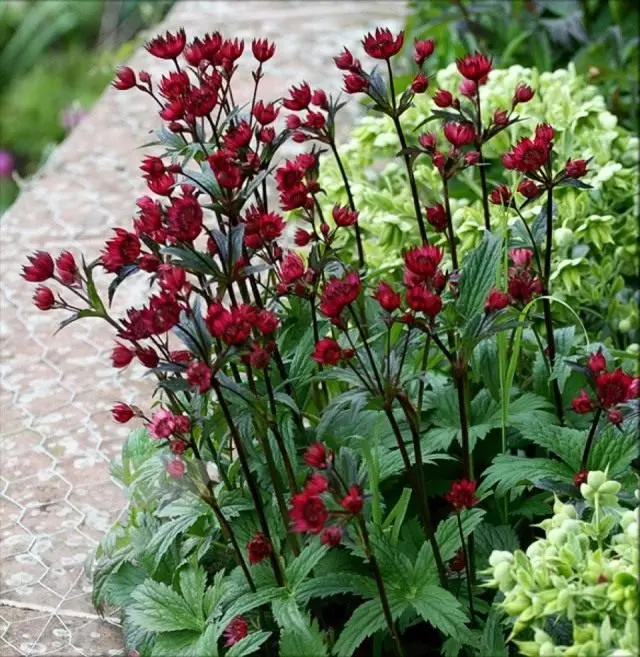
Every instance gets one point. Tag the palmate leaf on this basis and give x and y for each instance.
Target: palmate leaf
(493, 641)
(448, 534)
(440, 609)
(325, 586)
(158, 608)
(615, 450)
(309, 644)
(489, 537)
(366, 620)
(179, 644)
(566, 443)
(304, 563)
(249, 645)
(508, 471)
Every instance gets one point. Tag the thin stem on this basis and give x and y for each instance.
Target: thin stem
(467, 467)
(483, 173)
(548, 320)
(534, 246)
(407, 160)
(590, 437)
(467, 566)
(447, 208)
(423, 371)
(352, 205)
(397, 645)
(367, 349)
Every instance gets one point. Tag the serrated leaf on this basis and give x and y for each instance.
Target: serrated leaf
(448, 534)
(489, 537)
(248, 645)
(507, 471)
(366, 620)
(250, 601)
(166, 535)
(294, 644)
(493, 640)
(478, 275)
(304, 563)
(159, 608)
(440, 609)
(121, 583)
(177, 644)
(331, 584)
(191, 259)
(192, 584)
(615, 450)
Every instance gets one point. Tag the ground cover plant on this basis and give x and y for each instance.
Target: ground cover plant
(336, 463)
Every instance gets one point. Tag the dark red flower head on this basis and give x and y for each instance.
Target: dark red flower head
(352, 501)
(331, 536)
(265, 114)
(125, 79)
(121, 355)
(237, 630)
(474, 67)
(262, 49)
(199, 376)
(343, 216)
(613, 387)
(582, 403)
(500, 195)
(421, 299)
(459, 134)
(457, 563)
(308, 513)
(40, 267)
(387, 297)
(615, 416)
(422, 49)
(443, 98)
(383, 44)
(521, 258)
(523, 93)
(576, 168)
(302, 237)
(258, 548)
(123, 249)
(420, 83)
(230, 50)
(597, 362)
(345, 60)
(299, 98)
(528, 188)
(468, 88)
(580, 478)
(122, 413)
(315, 456)
(338, 293)
(462, 494)
(167, 46)
(423, 261)
(355, 83)
(496, 300)
(327, 352)
(148, 357)
(527, 155)
(43, 298)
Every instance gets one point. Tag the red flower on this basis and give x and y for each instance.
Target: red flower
(420, 299)
(474, 67)
(468, 88)
(43, 298)
(302, 237)
(597, 362)
(331, 536)
(177, 446)
(262, 49)
(182, 423)
(580, 478)
(521, 257)
(199, 376)
(471, 158)
(40, 269)
(544, 134)
(319, 99)
(459, 134)
(184, 218)
(315, 456)
(200, 102)
(230, 50)
(528, 189)
(437, 217)
(148, 357)
(382, 44)
(462, 494)
(237, 629)
(176, 468)
(422, 49)
(423, 261)
(613, 387)
(523, 93)
(125, 79)
(226, 172)
(258, 356)
(182, 357)
(345, 60)
(121, 355)
(266, 322)
(500, 117)
(168, 46)
(457, 563)
(174, 85)
(526, 156)
(299, 98)
(265, 114)
(355, 83)
(327, 352)
(292, 268)
(122, 413)
(316, 484)
(576, 168)
(259, 548)
(500, 195)
(582, 403)
(343, 216)
(523, 286)
(420, 83)
(352, 501)
(443, 98)
(496, 300)
(615, 416)
(427, 141)
(163, 424)
(308, 513)
(387, 297)
(121, 250)
(338, 293)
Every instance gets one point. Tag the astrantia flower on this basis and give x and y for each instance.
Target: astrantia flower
(474, 67)
(500, 195)
(237, 630)
(576, 168)
(43, 298)
(327, 352)
(338, 293)
(597, 362)
(308, 513)
(500, 117)
(420, 83)
(266, 322)
(352, 501)
(468, 88)
(258, 548)
(443, 98)
(148, 357)
(355, 83)
(163, 424)
(422, 49)
(343, 216)
(457, 563)
(387, 297)
(459, 134)
(615, 416)
(262, 49)
(125, 79)
(496, 300)
(167, 46)
(121, 355)
(67, 268)
(523, 93)
(176, 468)
(462, 494)
(122, 413)
(315, 456)
(292, 268)
(265, 114)
(199, 376)
(345, 60)
(526, 156)
(580, 478)
(528, 188)
(302, 237)
(299, 98)
(521, 257)
(420, 299)
(123, 249)
(582, 403)
(331, 536)
(613, 387)
(383, 44)
(437, 217)
(423, 261)
(40, 269)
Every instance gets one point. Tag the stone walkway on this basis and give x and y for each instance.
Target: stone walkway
(56, 434)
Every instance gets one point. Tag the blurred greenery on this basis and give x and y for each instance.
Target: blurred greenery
(599, 36)
(56, 58)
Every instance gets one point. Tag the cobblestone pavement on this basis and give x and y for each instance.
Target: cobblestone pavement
(56, 438)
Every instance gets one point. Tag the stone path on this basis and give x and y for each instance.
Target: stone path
(56, 434)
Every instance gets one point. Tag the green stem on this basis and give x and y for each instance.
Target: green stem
(467, 566)
(452, 238)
